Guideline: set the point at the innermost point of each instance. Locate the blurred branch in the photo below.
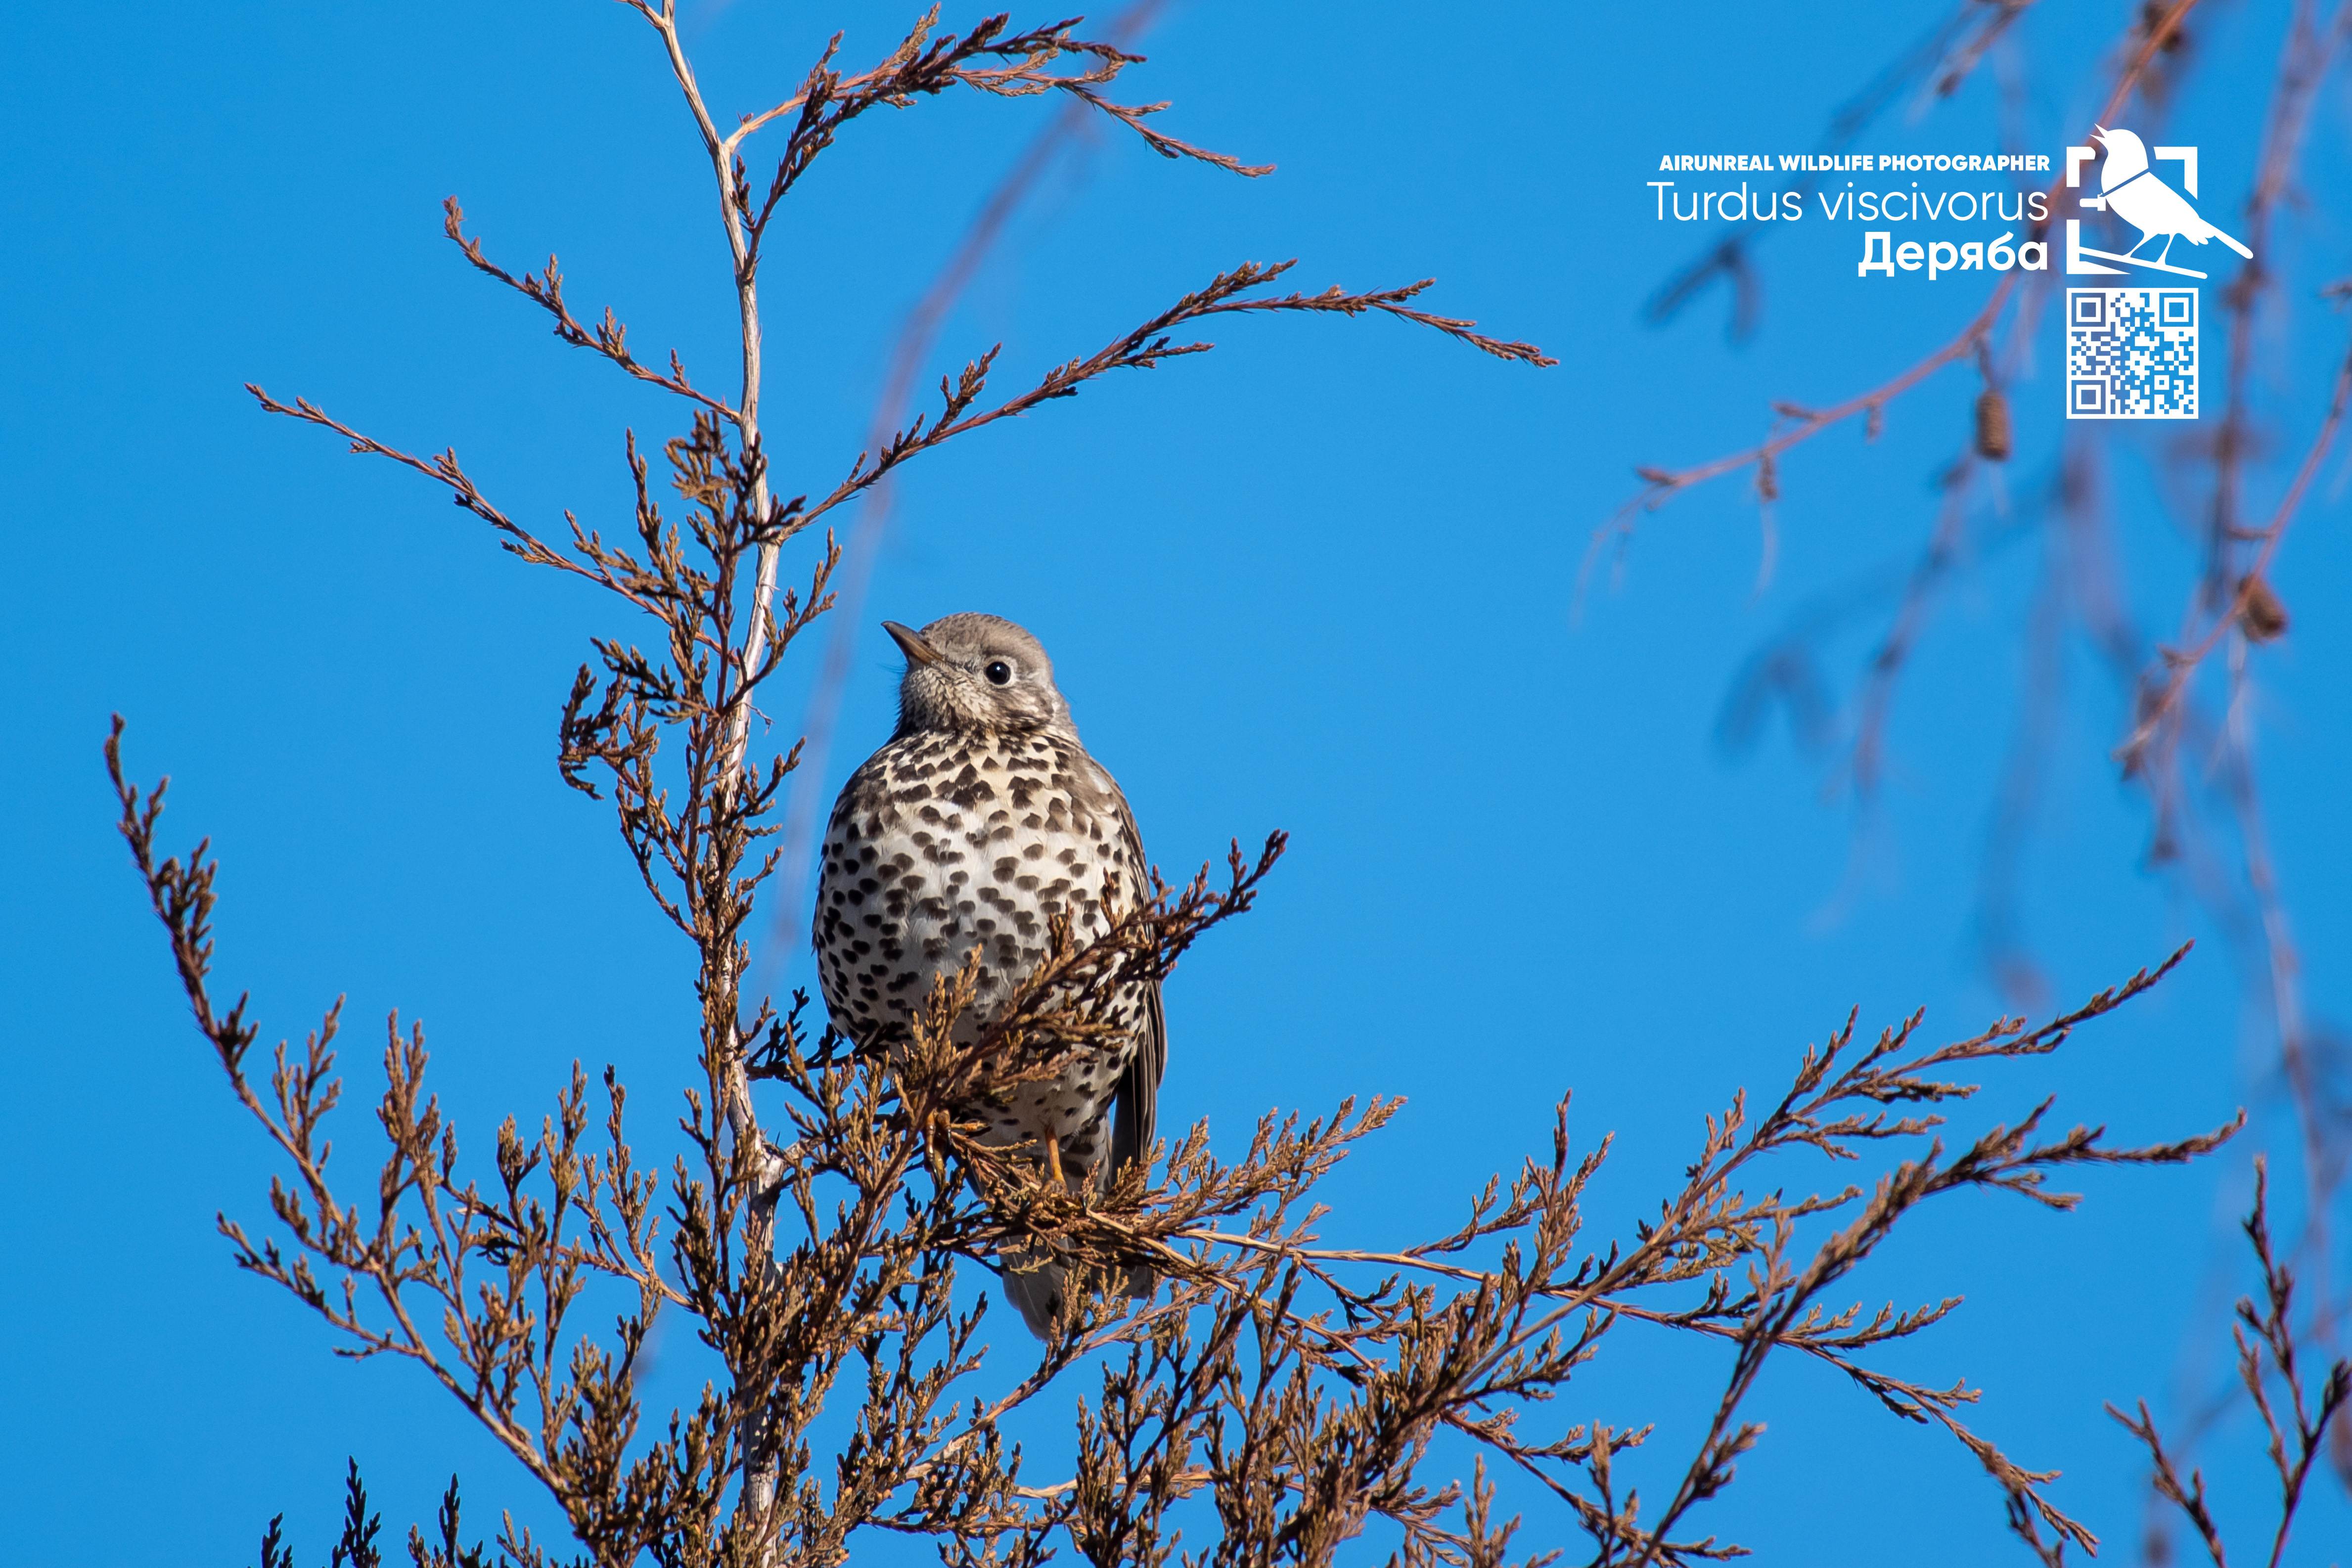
(1795, 424)
(1950, 53)
(2251, 610)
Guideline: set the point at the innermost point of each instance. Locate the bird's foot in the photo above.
(1054, 1160)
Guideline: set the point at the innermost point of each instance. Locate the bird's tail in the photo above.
(1038, 1289)
(2233, 243)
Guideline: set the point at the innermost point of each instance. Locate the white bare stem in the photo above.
(746, 419)
(721, 150)
(760, 1475)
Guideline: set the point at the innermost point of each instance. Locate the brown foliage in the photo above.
(1300, 1387)
(2269, 1364)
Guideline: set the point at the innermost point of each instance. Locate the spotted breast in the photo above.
(980, 821)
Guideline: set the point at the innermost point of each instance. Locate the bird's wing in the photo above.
(1136, 1119)
(2164, 210)
(2154, 208)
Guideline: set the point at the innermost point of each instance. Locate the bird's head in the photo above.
(2127, 156)
(977, 673)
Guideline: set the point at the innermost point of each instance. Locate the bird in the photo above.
(2131, 189)
(978, 822)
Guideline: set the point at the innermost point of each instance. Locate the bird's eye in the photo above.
(998, 673)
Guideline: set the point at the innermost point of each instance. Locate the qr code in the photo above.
(2131, 353)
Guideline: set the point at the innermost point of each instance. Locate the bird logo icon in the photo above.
(2130, 188)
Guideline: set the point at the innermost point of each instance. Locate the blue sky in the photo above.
(1320, 580)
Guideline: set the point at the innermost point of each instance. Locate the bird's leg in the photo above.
(1054, 1159)
(2165, 254)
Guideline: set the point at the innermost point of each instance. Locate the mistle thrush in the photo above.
(980, 821)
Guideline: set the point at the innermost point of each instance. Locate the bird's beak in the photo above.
(910, 642)
(2099, 134)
